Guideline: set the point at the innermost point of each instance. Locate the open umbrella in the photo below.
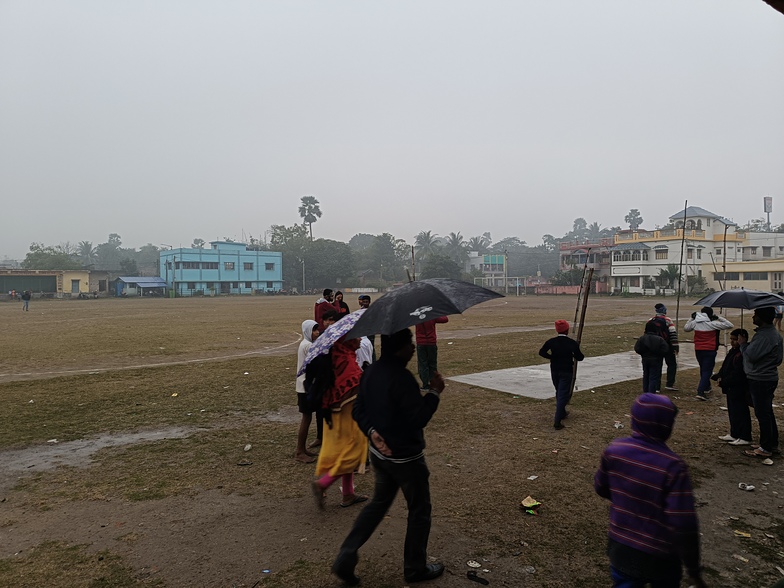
(740, 298)
(329, 337)
(417, 302)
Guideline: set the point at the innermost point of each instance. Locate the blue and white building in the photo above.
(224, 268)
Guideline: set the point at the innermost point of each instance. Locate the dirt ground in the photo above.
(245, 518)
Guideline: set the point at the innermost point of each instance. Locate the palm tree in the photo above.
(310, 212)
(478, 244)
(456, 246)
(594, 232)
(86, 252)
(426, 243)
(668, 277)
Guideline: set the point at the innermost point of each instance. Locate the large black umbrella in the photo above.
(417, 302)
(740, 298)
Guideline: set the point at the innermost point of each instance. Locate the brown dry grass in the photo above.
(482, 444)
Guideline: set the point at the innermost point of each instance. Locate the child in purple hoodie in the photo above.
(653, 524)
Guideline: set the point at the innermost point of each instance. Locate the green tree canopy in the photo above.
(310, 212)
(43, 257)
(633, 219)
(439, 265)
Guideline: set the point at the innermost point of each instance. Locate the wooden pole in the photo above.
(680, 265)
(587, 291)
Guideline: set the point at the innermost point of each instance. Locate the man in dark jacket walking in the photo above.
(562, 352)
(393, 412)
(762, 357)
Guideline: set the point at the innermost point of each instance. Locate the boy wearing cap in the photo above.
(669, 332)
(562, 352)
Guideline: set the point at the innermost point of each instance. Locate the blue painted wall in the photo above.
(224, 268)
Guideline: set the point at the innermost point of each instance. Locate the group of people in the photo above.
(374, 412)
(378, 408)
(748, 376)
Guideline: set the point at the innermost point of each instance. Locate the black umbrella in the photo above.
(417, 302)
(740, 298)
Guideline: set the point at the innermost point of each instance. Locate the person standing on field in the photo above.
(427, 349)
(706, 326)
(669, 331)
(26, 296)
(562, 351)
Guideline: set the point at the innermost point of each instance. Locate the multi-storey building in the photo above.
(224, 268)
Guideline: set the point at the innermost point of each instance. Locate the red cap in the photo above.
(561, 326)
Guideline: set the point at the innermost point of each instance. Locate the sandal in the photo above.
(355, 500)
(759, 452)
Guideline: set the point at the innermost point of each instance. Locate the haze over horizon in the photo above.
(166, 122)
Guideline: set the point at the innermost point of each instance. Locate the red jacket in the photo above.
(426, 332)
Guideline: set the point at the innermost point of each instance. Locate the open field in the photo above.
(169, 392)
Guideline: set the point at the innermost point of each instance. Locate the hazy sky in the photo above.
(165, 121)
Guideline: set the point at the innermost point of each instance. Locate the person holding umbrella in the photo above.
(706, 326)
(762, 357)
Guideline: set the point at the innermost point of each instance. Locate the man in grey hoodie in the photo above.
(762, 357)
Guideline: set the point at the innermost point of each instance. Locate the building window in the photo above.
(191, 285)
(731, 276)
(235, 285)
(755, 275)
(690, 254)
(269, 285)
(661, 254)
(634, 282)
(699, 253)
(247, 266)
(616, 256)
(228, 265)
(767, 251)
(248, 284)
(190, 265)
(707, 222)
(269, 266)
(718, 251)
(209, 265)
(636, 256)
(210, 285)
(753, 250)
(169, 264)
(645, 256)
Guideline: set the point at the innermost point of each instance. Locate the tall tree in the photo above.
(310, 212)
(439, 265)
(426, 243)
(456, 248)
(479, 244)
(43, 257)
(86, 252)
(594, 232)
(633, 219)
(198, 244)
(670, 276)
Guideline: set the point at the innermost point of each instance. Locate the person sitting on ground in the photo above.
(562, 351)
(732, 380)
(652, 347)
(653, 523)
(706, 326)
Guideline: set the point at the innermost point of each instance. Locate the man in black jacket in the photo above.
(392, 411)
(562, 353)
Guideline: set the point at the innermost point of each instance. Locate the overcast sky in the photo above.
(166, 121)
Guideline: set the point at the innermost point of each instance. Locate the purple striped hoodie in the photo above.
(648, 485)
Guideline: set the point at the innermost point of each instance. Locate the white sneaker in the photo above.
(738, 442)
(672, 388)
(728, 438)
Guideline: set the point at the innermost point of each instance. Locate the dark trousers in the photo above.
(672, 367)
(621, 580)
(738, 412)
(762, 396)
(651, 374)
(427, 363)
(563, 386)
(707, 361)
(413, 479)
